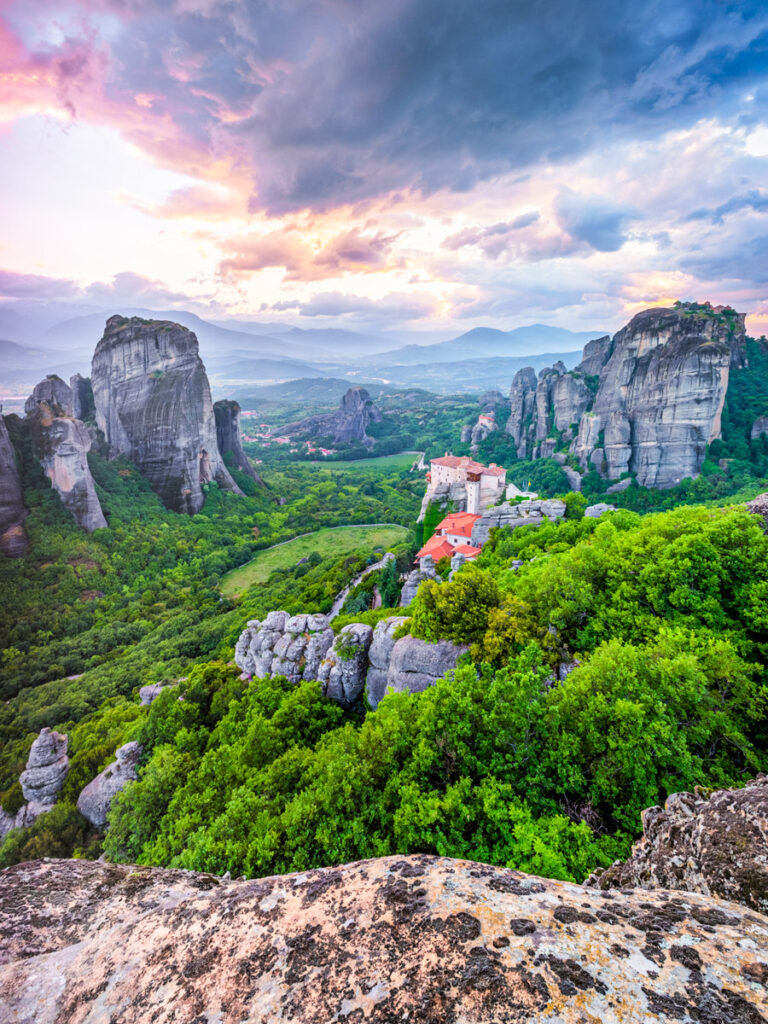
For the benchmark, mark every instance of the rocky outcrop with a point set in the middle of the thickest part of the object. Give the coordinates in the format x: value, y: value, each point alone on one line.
x: 759, y: 427
x: 659, y: 398
x: 348, y: 424
x: 45, y: 774
x: 229, y: 439
x: 95, y: 800
x: 416, y: 664
x: 595, y: 511
x: 530, y: 512
x: 414, y: 579
x: 148, y: 694
x: 83, y: 406
x: 420, y: 938
x: 153, y: 404
x: 54, y: 393
x: 284, y: 645
x: 380, y: 656
x: 759, y: 507
x: 716, y: 845
x: 13, y: 539
x: 358, y: 659
x: 61, y: 444
x: 343, y: 670
x: 595, y: 355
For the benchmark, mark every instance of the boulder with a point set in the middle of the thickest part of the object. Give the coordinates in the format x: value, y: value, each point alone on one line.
x: 716, y: 845
x: 418, y: 939
x: 415, y: 664
x: 47, y: 768
x: 290, y: 646
x: 595, y: 511
x: 153, y: 404
x: 13, y: 539
x: 415, y: 578
x: 622, y: 485
x: 343, y: 670
x: 150, y: 693
x: 379, y: 656
x: 95, y: 800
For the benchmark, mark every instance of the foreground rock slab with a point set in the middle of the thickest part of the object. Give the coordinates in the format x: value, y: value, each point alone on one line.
x: 421, y: 939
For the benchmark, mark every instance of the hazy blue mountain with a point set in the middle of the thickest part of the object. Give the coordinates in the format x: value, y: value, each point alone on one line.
x: 467, y: 376
x: 487, y: 342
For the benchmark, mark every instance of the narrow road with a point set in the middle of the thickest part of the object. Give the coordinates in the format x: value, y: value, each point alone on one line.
x: 338, y: 604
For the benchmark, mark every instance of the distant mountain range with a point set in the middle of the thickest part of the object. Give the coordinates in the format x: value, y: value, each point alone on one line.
x: 241, y: 353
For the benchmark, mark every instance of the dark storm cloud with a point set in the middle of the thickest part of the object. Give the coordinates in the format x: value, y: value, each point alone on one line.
x: 335, y: 101
x: 755, y: 199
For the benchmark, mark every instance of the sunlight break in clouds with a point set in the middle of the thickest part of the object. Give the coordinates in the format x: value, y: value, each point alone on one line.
x: 410, y: 164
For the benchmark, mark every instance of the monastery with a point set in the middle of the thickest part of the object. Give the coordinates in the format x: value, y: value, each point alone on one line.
x: 484, y: 485
x: 452, y: 536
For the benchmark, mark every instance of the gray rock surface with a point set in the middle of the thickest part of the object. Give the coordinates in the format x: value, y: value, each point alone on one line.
x: 47, y: 768
x: 379, y: 657
x: 573, y: 477
x: 150, y: 693
x: 622, y: 485
x: 95, y: 799
x: 293, y: 647
x: 714, y: 844
x: 662, y: 384
x: 415, y: 664
x: 661, y: 395
x: 759, y: 427
x: 414, y: 579
x: 229, y: 438
x: 153, y: 404
x: 13, y: 539
x: 343, y: 671
x: 531, y: 511
x: 350, y: 423
x: 55, y: 393
x: 61, y: 444
x: 595, y: 511
x: 595, y: 355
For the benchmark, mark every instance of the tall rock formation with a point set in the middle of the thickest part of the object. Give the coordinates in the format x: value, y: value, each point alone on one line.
x: 421, y: 939
x: 45, y: 774
x: 153, y: 404
x: 229, y: 438
x: 61, y: 444
x: 348, y: 424
x: 660, y: 394
x: 13, y: 539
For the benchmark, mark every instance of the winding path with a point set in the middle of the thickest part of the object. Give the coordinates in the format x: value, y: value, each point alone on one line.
x: 338, y: 604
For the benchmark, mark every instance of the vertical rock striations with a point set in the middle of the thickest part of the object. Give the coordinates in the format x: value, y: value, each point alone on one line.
x: 350, y: 423
x: 229, y: 438
x: 660, y: 387
x: 61, y: 443
x: 153, y: 404
x: 13, y: 540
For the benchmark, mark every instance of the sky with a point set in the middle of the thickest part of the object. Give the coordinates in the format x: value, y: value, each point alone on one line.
x: 413, y: 166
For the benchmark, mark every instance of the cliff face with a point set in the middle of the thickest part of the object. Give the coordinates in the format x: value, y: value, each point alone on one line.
x: 153, y: 404
x: 229, y: 438
x: 419, y: 938
x: 13, y: 540
x: 61, y: 443
x: 349, y: 423
x: 662, y: 385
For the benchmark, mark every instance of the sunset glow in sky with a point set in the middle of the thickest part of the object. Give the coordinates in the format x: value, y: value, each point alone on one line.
x: 408, y: 165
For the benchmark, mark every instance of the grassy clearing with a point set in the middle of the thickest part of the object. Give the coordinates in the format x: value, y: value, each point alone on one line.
x: 381, y: 464
x: 330, y: 543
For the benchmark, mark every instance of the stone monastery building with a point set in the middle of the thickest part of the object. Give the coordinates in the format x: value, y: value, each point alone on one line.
x: 484, y: 484
x: 452, y: 536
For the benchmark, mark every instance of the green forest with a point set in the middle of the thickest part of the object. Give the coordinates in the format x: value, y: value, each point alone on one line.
x: 609, y: 662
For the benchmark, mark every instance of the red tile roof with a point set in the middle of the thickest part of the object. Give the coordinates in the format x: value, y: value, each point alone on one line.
x: 438, y: 547
x: 459, y: 524
x: 464, y: 461
x: 467, y: 550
